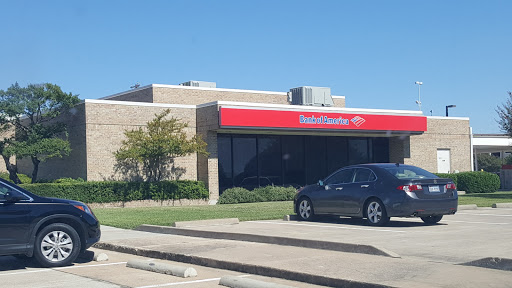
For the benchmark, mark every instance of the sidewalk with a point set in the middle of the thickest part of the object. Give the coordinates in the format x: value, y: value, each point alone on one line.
x: 321, y: 267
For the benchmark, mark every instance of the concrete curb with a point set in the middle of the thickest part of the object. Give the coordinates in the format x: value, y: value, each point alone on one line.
x: 162, y: 268
x: 237, y: 282
x: 239, y: 267
x: 209, y: 222
x: 492, y: 263
x: 502, y: 205
x: 467, y: 207
x: 285, y: 241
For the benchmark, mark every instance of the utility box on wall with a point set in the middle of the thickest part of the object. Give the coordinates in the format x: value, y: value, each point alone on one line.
x: 506, y: 177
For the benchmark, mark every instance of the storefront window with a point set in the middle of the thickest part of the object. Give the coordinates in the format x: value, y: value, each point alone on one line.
x: 316, y: 159
x: 293, y: 160
x: 245, y: 162
x: 269, y: 160
x: 380, y: 150
x: 225, y: 162
x: 338, y: 153
x: 358, y: 151
x: 251, y: 161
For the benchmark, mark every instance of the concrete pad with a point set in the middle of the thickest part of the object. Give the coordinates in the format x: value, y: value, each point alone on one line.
x: 467, y: 207
x: 163, y: 268
x: 502, y: 205
x: 306, y: 243
x: 461, y: 192
x: 210, y: 222
x: 237, y: 282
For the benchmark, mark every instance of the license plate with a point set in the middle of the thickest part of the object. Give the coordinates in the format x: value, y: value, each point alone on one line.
x: 434, y: 189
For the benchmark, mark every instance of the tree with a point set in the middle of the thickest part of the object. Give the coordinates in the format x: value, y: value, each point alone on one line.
x: 505, y: 115
x: 152, y: 150
x: 32, y: 111
x: 489, y: 163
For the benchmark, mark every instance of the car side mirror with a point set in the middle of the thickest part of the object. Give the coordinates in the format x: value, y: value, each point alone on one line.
x: 11, y: 198
x: 320, y: 183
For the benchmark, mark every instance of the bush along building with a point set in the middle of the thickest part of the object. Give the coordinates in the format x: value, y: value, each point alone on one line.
x: 259, y: 138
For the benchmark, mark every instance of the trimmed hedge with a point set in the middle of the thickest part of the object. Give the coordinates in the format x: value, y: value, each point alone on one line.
x: 23, y: 178
x: 111, y: 191
x: 474, y: 182
x: 262, y: 194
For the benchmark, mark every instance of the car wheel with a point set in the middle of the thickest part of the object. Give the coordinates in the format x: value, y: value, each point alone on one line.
x: 305, y: 209
x: 376, y: 213
x: 57, y: 245
x: 432, y: 219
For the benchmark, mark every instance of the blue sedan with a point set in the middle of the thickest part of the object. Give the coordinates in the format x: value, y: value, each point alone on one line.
x: 377, y: 192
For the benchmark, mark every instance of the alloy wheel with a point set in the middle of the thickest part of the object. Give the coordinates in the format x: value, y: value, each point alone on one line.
x: 56, y: 246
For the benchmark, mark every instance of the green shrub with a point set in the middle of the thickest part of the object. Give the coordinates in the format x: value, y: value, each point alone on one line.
x: 489, y: 163
x: 110, y: 191
x: 23, y: 178
x: 68, y: 180
x: 239, y: 195
x: 478, y: 182
x: 262, y: 194
x: 276, y: 193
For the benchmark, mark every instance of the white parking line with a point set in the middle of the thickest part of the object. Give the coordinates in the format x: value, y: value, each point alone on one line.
x: 186, y: 282
x: 476, y: 222
x: 332, y: 227
x: 60, y: 268
x: 180, y: 283
x: 478, y: 214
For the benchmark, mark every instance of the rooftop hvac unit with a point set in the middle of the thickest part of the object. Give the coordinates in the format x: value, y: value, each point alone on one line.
x: 200, y: 84
x: 312, y: 96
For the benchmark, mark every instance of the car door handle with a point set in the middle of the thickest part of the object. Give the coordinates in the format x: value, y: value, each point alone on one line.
x: 365, y: 186
x: 339, y: 188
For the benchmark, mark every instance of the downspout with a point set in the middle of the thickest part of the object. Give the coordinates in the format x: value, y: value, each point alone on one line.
x: 473, y: 155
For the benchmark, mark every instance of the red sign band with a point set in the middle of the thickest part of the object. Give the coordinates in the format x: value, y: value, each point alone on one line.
x: 243, y: 117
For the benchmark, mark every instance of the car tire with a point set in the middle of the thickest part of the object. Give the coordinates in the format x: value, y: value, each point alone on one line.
x: 430, y: 220
x: 375, y: 213
x: 57, y: 245
x: 305, y: 209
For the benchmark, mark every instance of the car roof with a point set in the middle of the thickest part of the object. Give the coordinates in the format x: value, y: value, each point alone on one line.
x: 380, y: 165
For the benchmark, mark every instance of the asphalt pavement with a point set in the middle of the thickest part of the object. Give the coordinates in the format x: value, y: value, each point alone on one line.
x: 429, y: 256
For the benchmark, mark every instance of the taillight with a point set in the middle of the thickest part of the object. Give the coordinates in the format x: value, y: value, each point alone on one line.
x: 450, y: 186
x: 410, y: 188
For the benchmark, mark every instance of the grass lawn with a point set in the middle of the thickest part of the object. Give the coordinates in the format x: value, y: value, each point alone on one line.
x: 130, y: 218
x: 486, y: 199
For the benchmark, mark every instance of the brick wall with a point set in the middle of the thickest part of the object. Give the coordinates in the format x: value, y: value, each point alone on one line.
x: 106, y: 124
x: 451, y: 134
x: 200, y: 96
x: 144, y: 94
x: 207, y: 166
x: 339, y: 102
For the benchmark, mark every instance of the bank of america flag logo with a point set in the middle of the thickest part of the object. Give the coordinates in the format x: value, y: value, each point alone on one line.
x: 358, y: 121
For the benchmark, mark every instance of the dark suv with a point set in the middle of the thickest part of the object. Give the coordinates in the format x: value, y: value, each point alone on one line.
x: 54, y: 231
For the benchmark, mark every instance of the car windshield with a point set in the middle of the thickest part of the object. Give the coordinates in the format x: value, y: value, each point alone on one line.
x: 409, y: 172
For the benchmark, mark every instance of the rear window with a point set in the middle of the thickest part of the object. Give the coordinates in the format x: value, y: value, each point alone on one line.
x: 409, y: 172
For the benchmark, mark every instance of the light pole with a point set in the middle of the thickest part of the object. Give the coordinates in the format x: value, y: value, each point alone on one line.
x: 449, y: 106
x: 419, y: 94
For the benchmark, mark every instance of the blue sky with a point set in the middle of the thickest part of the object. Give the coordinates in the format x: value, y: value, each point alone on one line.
x: 372, y: 52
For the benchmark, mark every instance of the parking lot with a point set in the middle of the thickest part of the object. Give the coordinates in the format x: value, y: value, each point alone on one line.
x: 466, y: 236
x: 22, y: 273
x: 428, y: 254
